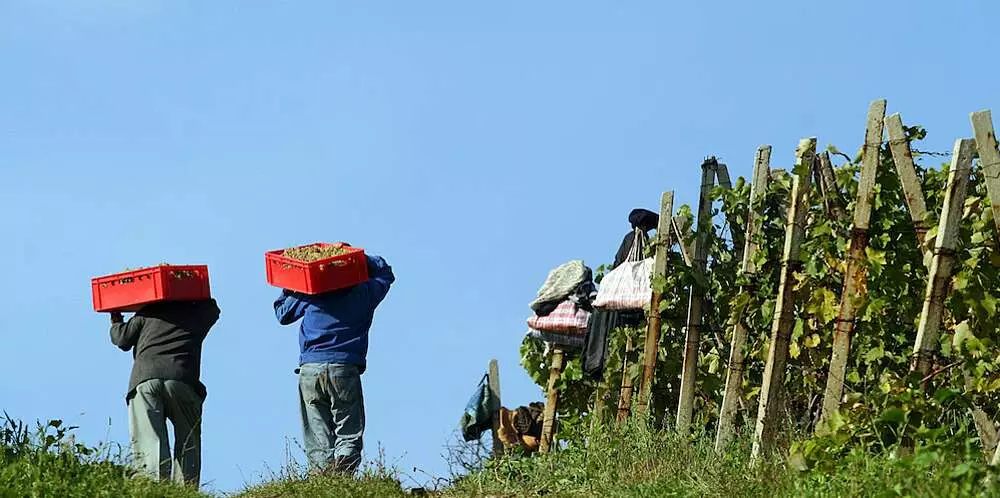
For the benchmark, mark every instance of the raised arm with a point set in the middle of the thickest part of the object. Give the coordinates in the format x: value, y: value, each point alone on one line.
x: 124, y: 334
x: 288, y: 307
x: 380, y: 277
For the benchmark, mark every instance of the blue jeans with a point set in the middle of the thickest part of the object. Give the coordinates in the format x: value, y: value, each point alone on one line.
x: 333, y: 416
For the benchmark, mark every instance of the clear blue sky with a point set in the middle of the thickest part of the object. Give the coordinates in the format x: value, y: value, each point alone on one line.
x: 474, y: 145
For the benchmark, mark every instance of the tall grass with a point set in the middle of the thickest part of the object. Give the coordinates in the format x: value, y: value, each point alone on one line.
x: 630, y: 460
x: 46, y: 461
x: 636, y: 461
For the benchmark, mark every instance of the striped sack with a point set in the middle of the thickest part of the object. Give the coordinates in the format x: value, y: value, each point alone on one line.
x: 566, y: 318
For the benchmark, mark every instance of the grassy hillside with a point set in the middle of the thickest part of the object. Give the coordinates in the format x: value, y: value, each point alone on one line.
x: 630, y: 461
x: 44, y: 461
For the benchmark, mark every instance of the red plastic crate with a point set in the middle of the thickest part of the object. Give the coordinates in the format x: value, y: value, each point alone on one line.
x: 130, y: 290
x: 317, y: 277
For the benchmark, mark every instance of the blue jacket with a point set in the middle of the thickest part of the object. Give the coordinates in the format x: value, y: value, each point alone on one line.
x: 335, y: 324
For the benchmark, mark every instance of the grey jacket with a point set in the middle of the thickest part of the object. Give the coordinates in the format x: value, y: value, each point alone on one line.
x: 165, y: 339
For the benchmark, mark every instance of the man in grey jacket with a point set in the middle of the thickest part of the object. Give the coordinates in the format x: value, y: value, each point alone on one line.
x: 165, y: 339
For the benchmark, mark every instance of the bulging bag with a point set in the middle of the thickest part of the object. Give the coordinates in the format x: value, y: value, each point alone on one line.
x: 566, y: 318
x: 628, y: 287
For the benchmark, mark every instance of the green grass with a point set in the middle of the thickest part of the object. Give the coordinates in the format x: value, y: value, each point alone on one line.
x: 45, y: 462
x: 637, y: 462
x: 327, y: 487
x: 631, y: 461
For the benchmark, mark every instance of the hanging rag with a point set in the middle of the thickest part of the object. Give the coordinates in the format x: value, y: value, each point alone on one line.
x: 479, y: 411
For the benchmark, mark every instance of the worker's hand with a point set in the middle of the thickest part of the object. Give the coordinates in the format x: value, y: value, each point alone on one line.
x: 116, y: 317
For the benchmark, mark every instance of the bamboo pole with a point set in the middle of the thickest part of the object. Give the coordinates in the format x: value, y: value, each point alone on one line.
x: 551, y: 401
x: 685, y: 407
x: 854, y: 288
x: 652, y: 346
x: 925, y: 346
x: 781, y: 329
x: 734, y: 375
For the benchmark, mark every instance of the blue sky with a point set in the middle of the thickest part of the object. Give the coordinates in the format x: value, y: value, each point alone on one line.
x: 474, y: 145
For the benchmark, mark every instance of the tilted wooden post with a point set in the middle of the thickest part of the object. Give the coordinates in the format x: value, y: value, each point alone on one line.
x: 925, y: 347
x: 659, y: 270
x: 625, y: 394
x: 685, y: 408
x: 902, y: 158
x: 734, y: 375
x: 551, y: 401
x: 855, y: 278
x: 781, y: 330
x: 494, y: 384
x: 989, y: 158
x: 722, y: 178
x: 682, y: 234
x: 831, y: 195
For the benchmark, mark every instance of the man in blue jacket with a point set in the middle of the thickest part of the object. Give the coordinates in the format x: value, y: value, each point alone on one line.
x: 333, y: 340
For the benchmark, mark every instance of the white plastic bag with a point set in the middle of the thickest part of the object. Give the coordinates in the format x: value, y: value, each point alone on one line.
x: 627, y: 287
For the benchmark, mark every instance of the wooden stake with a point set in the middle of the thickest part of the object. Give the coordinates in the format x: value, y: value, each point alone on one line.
x: 781, y: 329
x: 855, y: 286
x: 831, y: 194
x: 551, y: 401
x: 625, y: 395
x: 925, y: 346
x: 494, y: 384
x: 734, y: 375
x: 722, y: 178
x: 682, y: 234
x: 652, y: 346
x: 685, y: 408
x: 903, y: 160
x: 989, y: 158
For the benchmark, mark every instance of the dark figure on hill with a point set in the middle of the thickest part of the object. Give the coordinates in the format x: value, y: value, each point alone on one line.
x: 166, y: 339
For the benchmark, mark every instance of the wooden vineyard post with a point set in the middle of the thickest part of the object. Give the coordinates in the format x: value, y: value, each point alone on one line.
x: 653, y: 330
x: 722, y: 178
x: 685, y: 406
x: 902, y: 157
x: 734, y: 375
x: 831, y: 196
x: 781, y: 329
x: 855, y: 278
x: 551, y: 401
x: 494, y: 383
x: 925, y: 347
x: 989, y: 158
x: 687, y: 252
x: 625, y: 394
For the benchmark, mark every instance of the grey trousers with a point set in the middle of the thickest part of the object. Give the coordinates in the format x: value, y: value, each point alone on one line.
x: 333, y: 416
x: 155, y: 402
